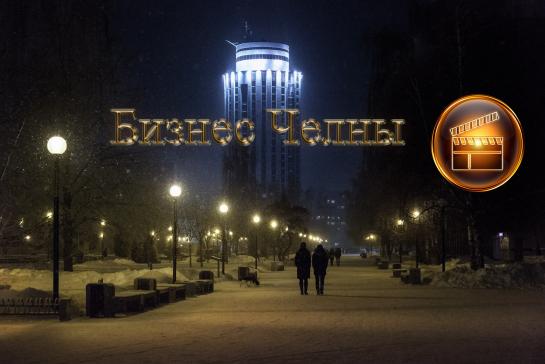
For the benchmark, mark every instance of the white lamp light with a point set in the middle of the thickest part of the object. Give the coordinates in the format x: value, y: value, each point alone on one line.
x: 175, y: 191
x: 56, y: 145
x: 224, y: 208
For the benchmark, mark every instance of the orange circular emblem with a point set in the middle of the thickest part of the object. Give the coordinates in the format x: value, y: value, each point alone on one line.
x: 477, y: 143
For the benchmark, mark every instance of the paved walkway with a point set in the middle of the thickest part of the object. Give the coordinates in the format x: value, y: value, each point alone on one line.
x: 365, y: 316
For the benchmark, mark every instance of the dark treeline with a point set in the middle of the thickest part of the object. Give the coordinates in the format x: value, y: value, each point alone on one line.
x: 452, y: 49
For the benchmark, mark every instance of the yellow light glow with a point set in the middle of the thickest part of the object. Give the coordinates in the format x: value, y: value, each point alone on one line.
x: 223, y: 208
x: 175, y: 190
x: 256, y: 219
x: 274, y: 224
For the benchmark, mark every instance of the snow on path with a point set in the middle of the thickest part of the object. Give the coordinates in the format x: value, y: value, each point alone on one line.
x: 365, y: 316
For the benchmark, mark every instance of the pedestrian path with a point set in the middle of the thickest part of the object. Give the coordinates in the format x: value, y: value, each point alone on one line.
x: 364, y: 316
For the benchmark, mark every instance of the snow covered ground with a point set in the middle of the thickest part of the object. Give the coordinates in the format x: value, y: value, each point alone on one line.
x: 28, y: 282
x: 24, y: 282
x: 364, y: 316
x: 524, y: 275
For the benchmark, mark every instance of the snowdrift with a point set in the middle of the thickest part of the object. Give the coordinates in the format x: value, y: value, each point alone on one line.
x: 512, y: 275
x: 38, y: 283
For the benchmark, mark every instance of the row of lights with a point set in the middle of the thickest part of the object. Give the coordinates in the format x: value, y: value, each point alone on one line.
x: 399, y: 222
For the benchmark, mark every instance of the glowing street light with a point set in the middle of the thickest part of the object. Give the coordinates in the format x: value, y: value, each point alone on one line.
x: 49, y: 215
x: 256, y: 219
x: 27, y: 237
x: 416, y: 213
x: 223, y: 209
x: 274, y: 225
x: 102, y: 222
x: 175, y: 191
x: 400, y: 222
x: 56, y: 145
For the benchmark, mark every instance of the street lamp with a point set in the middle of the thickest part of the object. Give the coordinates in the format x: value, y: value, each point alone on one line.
x: 274, y: 225
x: 175, y: 191
x: 223, y: 210
x: 400, y: 223
x: 256, y: 219
x: 56, y: 145
x: 416, y: 214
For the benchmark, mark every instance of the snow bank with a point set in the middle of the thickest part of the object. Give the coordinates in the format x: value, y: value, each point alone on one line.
x: 20, y: 279
x: 515, y: 275
x: 32, y: 282
x: 118, y: 263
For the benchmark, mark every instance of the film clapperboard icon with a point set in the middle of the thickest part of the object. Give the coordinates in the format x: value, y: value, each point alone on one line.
x: 476, y: 153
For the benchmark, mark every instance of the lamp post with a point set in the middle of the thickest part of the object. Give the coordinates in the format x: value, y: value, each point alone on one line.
x: 223, y: 210
x: 274, y: 225
x: 416, y: 214
x: 256, y: 219
x: 56, y: 145
x: 175, y: 192
x: 400, y: 223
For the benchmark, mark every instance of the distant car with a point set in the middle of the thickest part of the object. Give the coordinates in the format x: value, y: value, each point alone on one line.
x: 363, y: 254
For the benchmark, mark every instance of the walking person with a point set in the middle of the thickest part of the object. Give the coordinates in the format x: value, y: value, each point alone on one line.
x: 338, y: 253
x: 319, y: 264
x: 331, y: 256
x: 302, y: 262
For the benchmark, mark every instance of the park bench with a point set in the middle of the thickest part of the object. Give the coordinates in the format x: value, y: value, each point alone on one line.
x: 245, y: 275
x: 103, y: 300
x: 36, y: 306
x: 177, y: 291
x: 134, y: 301
x: 165, y: 294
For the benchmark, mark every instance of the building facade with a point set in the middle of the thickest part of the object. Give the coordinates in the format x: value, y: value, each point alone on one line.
x: 266, y: 169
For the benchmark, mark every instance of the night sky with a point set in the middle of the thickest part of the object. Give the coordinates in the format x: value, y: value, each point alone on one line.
x: 178, y: 51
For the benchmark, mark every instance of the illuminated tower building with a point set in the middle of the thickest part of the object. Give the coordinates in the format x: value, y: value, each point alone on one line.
x: 263, y: 80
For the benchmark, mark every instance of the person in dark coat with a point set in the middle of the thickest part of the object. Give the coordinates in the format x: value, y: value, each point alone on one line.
x: 331, y: 256
x: 302, y: 262
x: 319, y: 264
x: 338, y: 254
